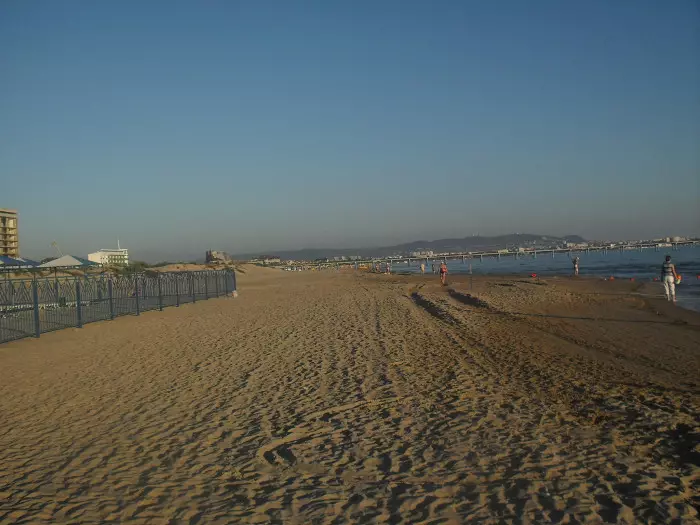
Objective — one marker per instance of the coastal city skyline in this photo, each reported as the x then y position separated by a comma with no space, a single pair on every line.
10,246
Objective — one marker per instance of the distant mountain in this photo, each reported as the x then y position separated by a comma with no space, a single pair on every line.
466,244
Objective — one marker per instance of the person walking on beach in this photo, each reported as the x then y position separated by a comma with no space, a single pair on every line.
388,268
434,268
669,276
575,261
443,273
422,268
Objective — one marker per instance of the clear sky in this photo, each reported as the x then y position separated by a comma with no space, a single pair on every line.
260,126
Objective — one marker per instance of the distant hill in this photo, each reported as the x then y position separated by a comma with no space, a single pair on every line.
466,244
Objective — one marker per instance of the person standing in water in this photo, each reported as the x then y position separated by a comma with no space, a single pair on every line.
443,273
669,276
576,262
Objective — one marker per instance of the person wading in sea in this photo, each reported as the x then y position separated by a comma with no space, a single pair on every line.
669,276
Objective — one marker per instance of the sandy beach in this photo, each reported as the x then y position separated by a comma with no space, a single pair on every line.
339,397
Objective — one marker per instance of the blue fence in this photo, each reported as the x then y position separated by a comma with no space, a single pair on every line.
29,308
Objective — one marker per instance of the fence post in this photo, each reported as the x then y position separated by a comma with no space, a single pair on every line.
160,295
225,276
206,285
194,295
177,290
216,282
235,289
111,297
136,291
78,302
35,296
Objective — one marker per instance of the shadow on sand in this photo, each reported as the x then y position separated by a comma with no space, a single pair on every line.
470,300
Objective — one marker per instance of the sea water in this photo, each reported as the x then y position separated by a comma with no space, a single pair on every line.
642,265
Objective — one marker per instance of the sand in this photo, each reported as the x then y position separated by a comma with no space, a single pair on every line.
333,397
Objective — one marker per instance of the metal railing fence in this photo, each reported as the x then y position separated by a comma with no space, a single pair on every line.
29,308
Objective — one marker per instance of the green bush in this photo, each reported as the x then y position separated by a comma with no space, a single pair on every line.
138,266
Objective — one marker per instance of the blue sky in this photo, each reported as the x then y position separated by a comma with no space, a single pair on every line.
258,126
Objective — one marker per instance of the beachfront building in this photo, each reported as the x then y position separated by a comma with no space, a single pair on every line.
119,257
9,233
213,256
267,260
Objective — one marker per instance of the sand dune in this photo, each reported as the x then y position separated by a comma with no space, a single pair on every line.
340,398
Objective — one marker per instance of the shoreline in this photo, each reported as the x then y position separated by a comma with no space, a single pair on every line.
646,285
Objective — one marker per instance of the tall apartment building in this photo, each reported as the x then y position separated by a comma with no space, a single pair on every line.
9,236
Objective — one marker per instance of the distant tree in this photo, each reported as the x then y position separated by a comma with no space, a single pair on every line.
121,270
138,266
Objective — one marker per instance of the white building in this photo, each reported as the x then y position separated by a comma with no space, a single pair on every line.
119,256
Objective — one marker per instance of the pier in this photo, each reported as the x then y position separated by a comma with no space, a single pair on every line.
528,252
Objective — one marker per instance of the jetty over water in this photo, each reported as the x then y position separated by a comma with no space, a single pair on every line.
525,252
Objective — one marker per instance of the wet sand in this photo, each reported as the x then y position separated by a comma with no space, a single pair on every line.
355,398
